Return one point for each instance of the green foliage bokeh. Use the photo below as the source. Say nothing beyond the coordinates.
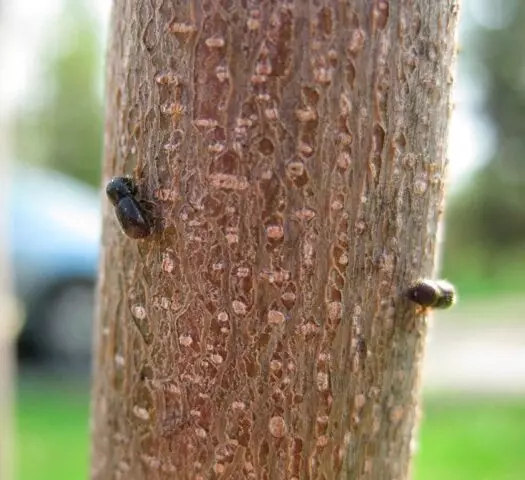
(61, 127)
(486, 219)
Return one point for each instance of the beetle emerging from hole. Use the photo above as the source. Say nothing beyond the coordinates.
(121, 192)
(432, 294)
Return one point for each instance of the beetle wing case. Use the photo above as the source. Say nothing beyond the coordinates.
(132, 219)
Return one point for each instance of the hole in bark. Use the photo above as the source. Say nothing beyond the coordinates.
(380, 13)
(266, 146)
(401, 142)
(226, 163)
(378, 139)
(310, 96)
(350, 73)
(252, 369)
(325, 21)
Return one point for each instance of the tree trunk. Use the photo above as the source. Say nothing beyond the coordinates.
(294, 153)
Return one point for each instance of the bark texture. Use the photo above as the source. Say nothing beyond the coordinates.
(294, 153)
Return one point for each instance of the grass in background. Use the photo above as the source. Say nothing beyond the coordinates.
(471, 439)
(459, 440)
(478, 274)
(53, 438)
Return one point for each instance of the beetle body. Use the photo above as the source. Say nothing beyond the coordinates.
(432, 293)
(448, 294)
(121, 193)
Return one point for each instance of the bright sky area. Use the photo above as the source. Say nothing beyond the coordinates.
(470, 139)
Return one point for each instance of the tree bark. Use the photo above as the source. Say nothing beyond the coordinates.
(294, 153)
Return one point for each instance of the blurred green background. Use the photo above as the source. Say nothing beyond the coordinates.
(473, 421)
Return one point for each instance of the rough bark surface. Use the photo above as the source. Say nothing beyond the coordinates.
(294, 153)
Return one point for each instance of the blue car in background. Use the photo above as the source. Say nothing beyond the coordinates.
(53, 242)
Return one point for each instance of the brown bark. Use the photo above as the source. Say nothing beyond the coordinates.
(295, 155)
